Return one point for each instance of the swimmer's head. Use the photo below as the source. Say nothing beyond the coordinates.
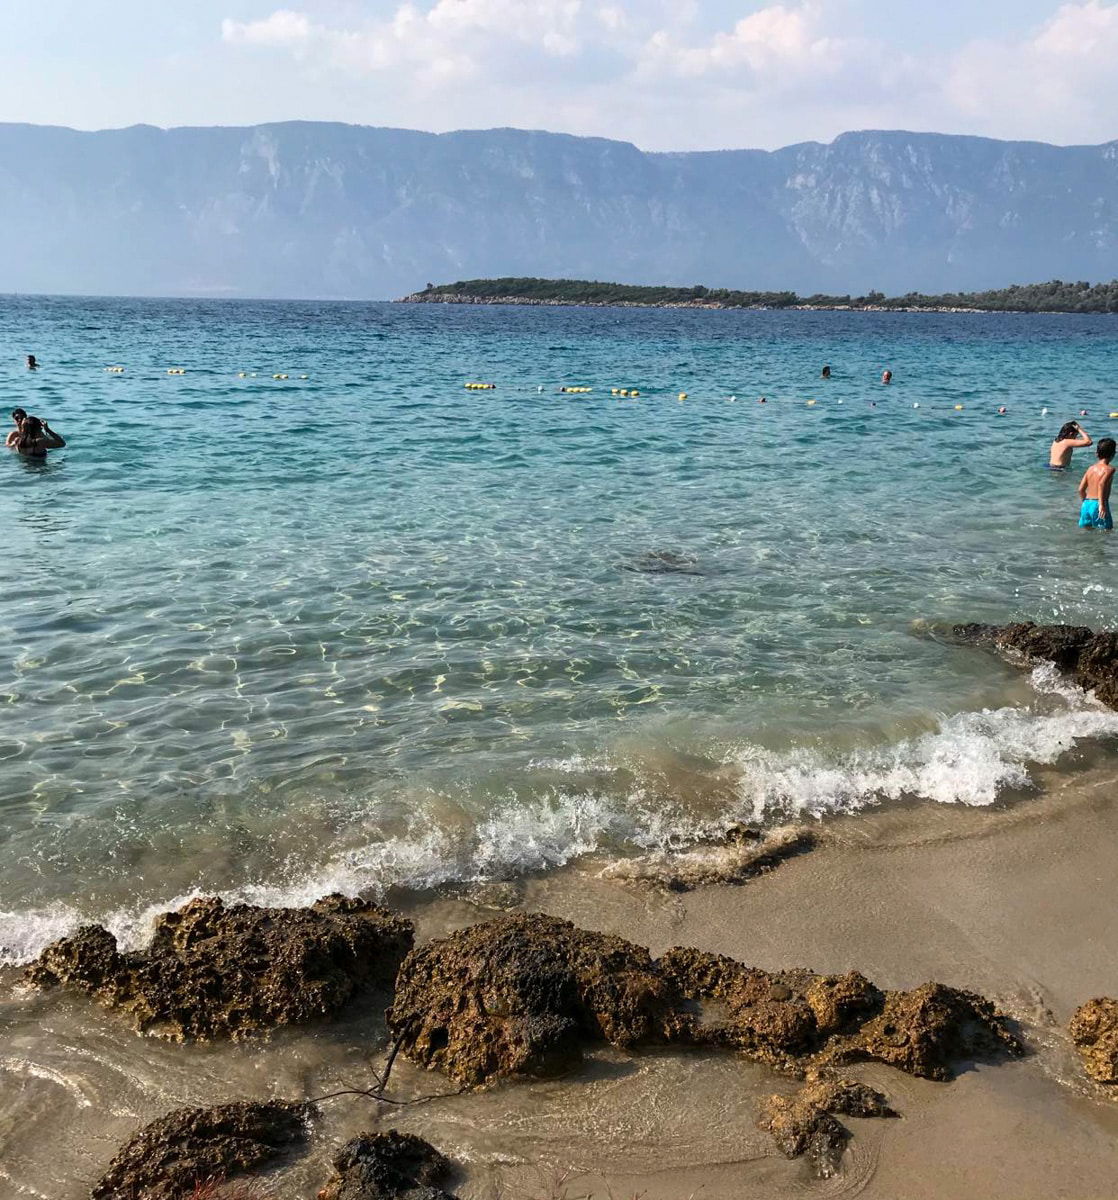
(1107, 446)
(1068, 431)
(18, 415)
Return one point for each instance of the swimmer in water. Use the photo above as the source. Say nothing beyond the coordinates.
(18, 416)
(32, 363)
(36, 437)
(886, 376)
(826, 373)
(1094, 489)
(1072, 436)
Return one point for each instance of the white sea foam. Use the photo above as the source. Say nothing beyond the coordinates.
(971, 759)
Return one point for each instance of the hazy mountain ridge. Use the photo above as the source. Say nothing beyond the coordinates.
(315, 209)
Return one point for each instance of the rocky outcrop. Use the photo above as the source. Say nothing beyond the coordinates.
(213, 971)
(387, 1166)
(523, 994)
(741, 854)
(167, 1159)
(1094, 1030)
(806, 1122)
(520, 996)
(1090, 658)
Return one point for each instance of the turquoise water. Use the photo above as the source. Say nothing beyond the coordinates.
(368, 628)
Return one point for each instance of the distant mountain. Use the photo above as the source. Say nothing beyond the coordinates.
(307, 209)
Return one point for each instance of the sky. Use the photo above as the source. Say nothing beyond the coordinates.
(664, 74)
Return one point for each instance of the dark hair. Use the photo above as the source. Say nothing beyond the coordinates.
(18, 414)
(1107, 446)
(29, 433)
(1068, 431)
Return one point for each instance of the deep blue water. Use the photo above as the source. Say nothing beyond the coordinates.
(274, 636)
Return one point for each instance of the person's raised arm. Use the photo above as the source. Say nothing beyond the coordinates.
(55, 441)
(12, 438)
(1084, 438)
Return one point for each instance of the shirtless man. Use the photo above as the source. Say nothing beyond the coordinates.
(18, 416)
(1072, 436)
(1094, 489)
(36, 437)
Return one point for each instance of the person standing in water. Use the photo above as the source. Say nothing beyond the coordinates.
(19, 415)
(32, 363)
(1094, 489)
(36, 437)
(1072, 436)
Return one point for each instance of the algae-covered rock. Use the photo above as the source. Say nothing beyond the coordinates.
(1094, 1030)
(387, 1166)
(214, 971)
(167, 1159)
(927, 1030)
(806, 1122)
(522, 994)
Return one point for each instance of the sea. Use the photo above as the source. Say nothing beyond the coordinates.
(309, 615)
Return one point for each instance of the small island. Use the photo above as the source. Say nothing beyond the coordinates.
(1053, 297)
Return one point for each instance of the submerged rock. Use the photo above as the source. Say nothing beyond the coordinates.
(521, 994)
(213, 971)
(167, 1159)
(740, 855)
(387, 1166)
(806, 1122)
(1094, 1030)
(1090, 658)
(663, 562)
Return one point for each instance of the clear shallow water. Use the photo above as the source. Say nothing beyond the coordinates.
(369, 628)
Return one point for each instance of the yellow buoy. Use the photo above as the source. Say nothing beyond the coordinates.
(241, 374)
(958, 408)
(810, 402)
(279, 376)
(1114, 416)
(633, 392)
(682, 396)
(176, 370)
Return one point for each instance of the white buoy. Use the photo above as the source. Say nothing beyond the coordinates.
(916, 405)
(1044, 412)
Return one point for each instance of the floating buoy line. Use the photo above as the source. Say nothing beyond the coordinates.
(629, 393)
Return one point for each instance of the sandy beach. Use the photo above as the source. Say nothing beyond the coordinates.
(1016, 902)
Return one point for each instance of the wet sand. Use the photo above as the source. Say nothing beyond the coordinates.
(1018, 903)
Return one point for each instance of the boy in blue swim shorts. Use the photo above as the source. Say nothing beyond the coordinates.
(1094, 490)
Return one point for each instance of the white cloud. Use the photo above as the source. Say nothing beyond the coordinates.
(663, 74)
(282, 28)
(1064, 76)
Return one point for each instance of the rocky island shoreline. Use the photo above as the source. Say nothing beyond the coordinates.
(524, 1002)
(1054, 297)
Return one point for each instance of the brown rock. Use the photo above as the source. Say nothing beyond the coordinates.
(1090, 658)
(217, 972)
(926, 1030)
(741, 854)
(387, 1166)
(167, 1159)
(521, 994)
(1094, 1030)
(805, 1123)
(764, 1015)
